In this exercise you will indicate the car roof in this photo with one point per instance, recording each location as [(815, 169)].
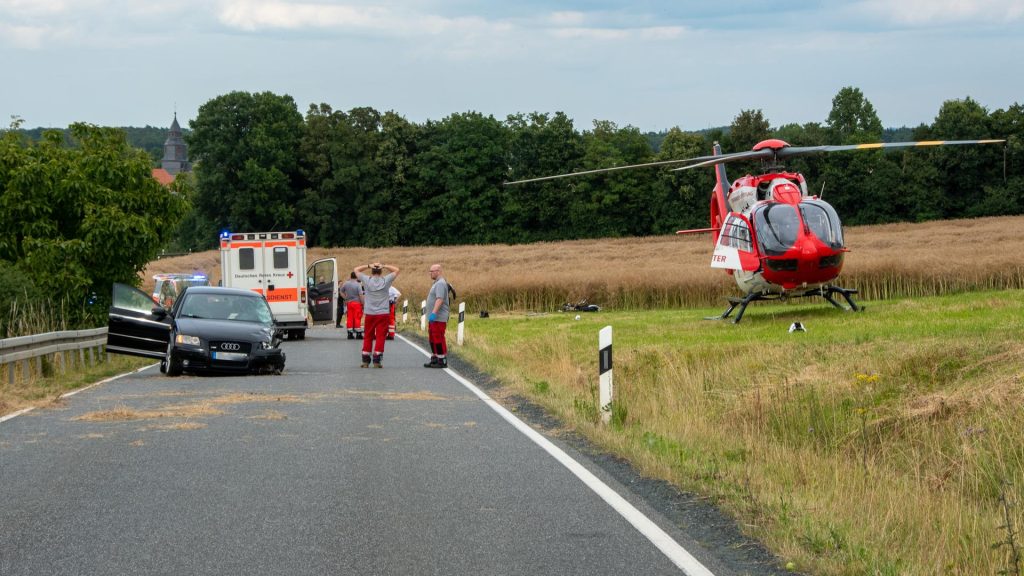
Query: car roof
[(221, 290)]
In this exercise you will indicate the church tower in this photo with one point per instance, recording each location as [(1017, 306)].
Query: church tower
[(175, 158)]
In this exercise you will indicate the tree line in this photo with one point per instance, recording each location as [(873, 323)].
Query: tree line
[(366, 178), (79, 210)]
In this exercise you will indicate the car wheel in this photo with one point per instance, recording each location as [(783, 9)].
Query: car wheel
[(173, 364), (302, 334)]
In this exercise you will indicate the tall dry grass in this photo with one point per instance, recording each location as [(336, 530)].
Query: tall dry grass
[(876, 443), (886, 261)]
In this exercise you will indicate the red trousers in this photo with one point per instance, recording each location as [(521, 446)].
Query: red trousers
[(391, 325), (438, 343), (355, 315), (376, 330)]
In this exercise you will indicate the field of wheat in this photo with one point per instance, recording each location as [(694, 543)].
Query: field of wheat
[(884, 261)]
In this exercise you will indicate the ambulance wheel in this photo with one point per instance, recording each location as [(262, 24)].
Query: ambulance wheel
[(300, 334)]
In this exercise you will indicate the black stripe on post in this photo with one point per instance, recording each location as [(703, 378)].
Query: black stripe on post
[(605, 359), (462, 316)]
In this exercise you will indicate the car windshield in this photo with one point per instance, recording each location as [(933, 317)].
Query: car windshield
[(237, 307)]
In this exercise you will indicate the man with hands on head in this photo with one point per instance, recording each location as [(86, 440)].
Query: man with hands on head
[(376, 308), (438, 305)]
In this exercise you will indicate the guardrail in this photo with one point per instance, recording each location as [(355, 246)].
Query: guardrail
[(23, 349)]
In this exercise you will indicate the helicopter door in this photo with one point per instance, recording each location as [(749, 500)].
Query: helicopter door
[(735, 248)]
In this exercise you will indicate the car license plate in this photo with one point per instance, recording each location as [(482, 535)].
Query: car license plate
[(229, 355)]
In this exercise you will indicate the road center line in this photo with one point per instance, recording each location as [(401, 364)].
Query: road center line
[(668, 546)]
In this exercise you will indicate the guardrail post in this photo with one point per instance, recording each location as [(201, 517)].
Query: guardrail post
[(462, 323), (10, 373), (604, 352), (423, 316), (405, 311)]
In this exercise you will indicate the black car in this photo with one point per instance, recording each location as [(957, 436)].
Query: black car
[(209, 328)]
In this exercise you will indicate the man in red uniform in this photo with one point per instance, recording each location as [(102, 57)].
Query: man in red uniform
[(351, 294), (438, 308)]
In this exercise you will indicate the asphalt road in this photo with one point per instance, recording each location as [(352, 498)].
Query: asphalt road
[(326, 469)]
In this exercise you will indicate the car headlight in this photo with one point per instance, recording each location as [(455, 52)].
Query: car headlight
[(266, 345), (188, 340)]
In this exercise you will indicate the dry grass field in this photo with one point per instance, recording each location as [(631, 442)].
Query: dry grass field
[(884, 261)]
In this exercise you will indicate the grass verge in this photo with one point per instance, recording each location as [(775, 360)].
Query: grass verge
[(41, 389), (884, 442)]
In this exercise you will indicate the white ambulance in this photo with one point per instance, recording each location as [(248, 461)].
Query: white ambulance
[(274, 264)]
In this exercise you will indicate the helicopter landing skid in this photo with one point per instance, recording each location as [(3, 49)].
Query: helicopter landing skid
[(826, 292)]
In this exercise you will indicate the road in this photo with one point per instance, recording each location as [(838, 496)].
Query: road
[(326, 469)]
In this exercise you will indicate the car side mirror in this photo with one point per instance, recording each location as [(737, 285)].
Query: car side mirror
[(159, 311)]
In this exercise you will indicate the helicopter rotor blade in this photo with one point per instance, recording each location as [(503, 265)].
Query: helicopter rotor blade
[(776, 150), (790, 151), (603, 170), (733, 157)]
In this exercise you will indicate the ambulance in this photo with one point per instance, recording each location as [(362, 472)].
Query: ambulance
[(274, 264)]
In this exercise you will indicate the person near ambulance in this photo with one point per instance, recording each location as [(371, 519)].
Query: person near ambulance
[(393, 296), (375, 309), (438, 305), (351, 293)]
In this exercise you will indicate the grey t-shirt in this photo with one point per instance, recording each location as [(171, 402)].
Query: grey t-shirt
[(376, 300), (350, 291), (438, 290)]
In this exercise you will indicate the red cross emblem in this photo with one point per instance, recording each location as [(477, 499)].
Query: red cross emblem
[(290, 274)]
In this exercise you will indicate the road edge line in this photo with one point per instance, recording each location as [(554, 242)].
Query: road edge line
[(13, 415), (661, 540)]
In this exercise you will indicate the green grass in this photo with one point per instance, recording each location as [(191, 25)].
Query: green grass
[(875, 442)]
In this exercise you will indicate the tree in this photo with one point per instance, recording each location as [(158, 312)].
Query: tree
[(82, 216), (746, 130), (853, 119), (245, 147)]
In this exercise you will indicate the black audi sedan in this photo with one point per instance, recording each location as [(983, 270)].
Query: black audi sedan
[(208, 328)]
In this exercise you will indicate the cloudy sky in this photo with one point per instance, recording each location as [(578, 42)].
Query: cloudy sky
[(652, 64)]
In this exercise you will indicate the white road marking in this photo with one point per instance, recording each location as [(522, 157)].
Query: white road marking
[(73, 392), (669, 547)]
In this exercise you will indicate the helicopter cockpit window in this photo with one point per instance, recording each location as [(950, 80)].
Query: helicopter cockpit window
[(777, 227), (736, 234), (823, 221)]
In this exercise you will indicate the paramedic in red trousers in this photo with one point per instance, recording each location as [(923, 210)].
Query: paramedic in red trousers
[(393, 296), (437, 304), (376, 310), (351, 294)]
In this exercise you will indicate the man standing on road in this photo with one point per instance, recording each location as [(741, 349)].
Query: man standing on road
[(438, 305), (350, 293), (375, 306)]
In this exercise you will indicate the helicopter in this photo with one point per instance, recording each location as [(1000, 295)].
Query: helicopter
[(775, 239)]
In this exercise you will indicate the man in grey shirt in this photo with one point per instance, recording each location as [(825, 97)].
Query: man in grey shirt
[(438, 305), (376, 307), (351, 294)]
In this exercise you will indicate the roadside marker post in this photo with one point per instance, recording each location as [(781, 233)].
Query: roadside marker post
[(604, 353), (423, 316), (462, 322), (405, 311)]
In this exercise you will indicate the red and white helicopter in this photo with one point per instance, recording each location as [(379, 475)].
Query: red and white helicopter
[(776, 240)]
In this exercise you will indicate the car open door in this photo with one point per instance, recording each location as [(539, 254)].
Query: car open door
[(136, 326), (322, 280)]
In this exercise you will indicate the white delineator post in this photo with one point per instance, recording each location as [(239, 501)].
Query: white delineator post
[(604, 352), (462, 322), (423, 315), (405, 311)]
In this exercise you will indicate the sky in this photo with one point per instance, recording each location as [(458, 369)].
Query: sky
[(652, 64)]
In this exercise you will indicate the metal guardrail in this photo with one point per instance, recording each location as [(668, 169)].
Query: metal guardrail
[(25, 348)]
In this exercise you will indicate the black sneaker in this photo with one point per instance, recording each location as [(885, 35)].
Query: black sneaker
[(432, 363)]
